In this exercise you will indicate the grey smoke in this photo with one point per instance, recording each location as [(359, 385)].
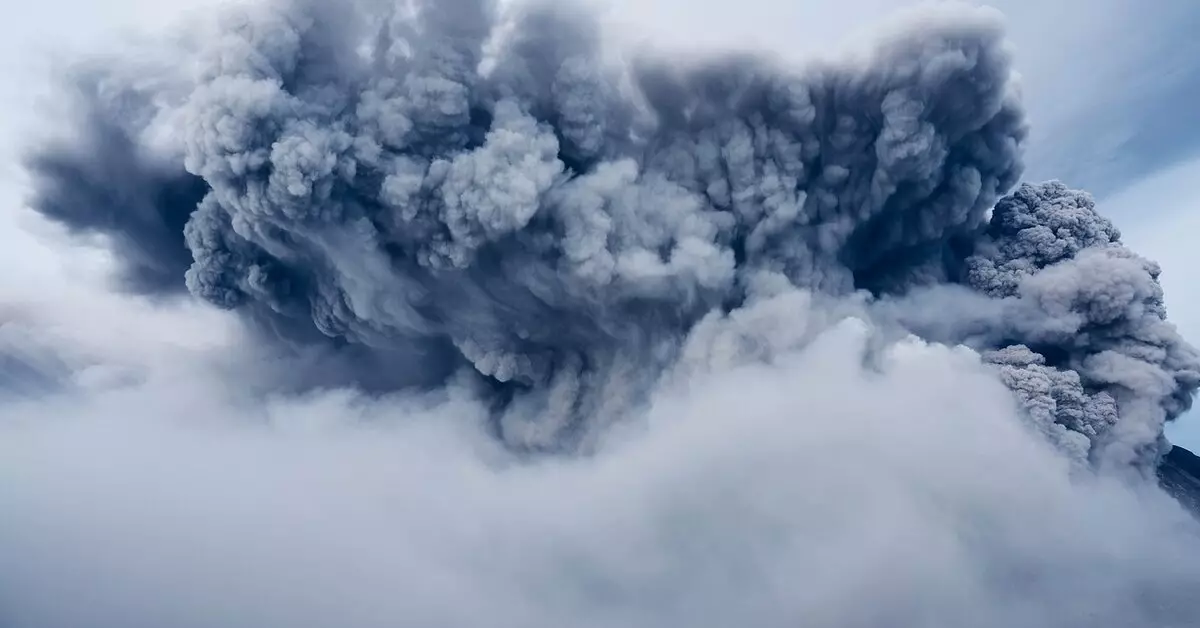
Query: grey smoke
[(1074, 321), (462, 186), (1047, 247), (101, 180), (800, 349), (551, 217)]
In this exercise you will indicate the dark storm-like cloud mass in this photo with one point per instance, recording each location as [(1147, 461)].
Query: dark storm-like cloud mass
[(101, 181), (428, 190), (799, 345)]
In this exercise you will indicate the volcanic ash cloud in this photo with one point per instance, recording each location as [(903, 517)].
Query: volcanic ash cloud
[(575, 312)]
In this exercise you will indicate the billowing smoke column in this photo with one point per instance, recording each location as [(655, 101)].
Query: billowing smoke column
[(1099, 361), (450, 191)]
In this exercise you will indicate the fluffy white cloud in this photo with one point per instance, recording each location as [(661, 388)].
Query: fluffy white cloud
[(808, 488)]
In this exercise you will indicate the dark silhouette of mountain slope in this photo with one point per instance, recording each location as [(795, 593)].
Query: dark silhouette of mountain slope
[(1179, 475)]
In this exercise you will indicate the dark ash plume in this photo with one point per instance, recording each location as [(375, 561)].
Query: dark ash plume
[(557, 225), (1106, 363), (104, 182)]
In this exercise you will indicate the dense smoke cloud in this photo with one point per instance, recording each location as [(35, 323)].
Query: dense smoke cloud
[(102, 180), (554, 222), (1116, 368), (558, 222), (1074, 321), (776, 325)]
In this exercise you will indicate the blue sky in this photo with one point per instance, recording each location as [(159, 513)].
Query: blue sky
[(1111, 87)]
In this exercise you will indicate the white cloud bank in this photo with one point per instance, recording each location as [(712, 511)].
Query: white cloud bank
[(806, 489)]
